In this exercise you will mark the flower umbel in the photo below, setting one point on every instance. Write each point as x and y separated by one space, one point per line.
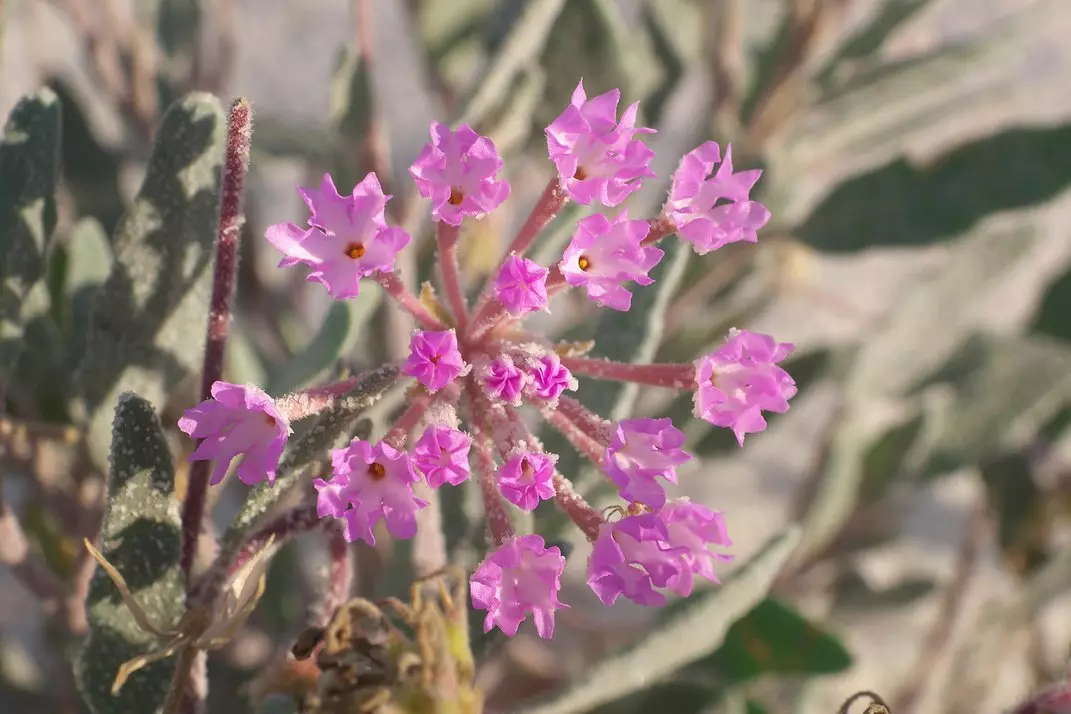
238 421
481 372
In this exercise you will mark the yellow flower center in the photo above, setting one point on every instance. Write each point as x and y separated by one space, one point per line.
580 174
377 471
456 197
584 263
354 250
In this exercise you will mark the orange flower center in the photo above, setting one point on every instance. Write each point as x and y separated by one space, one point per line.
580 174
584 263
456 197
270 420
355 250
377 471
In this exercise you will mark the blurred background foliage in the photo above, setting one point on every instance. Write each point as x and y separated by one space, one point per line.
917 156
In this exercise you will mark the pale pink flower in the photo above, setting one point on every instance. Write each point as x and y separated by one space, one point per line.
521 576
521 285
458 171
526 478
603 255
434 358
442 455
641 451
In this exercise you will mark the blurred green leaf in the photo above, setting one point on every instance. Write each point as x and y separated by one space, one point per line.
1014 386
776 639
905 205
1024 521
89 262
888 459
147 330
1053 317
140 536
695 628
29 170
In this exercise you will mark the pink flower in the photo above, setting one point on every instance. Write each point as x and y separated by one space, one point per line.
631 557
370 484
549 378
694 527
644 552
503 379
434 358
442 455
710 212
605 254
641 451
527 478
521 285
598 159
238 421
457 172
521 576
348 239
741 379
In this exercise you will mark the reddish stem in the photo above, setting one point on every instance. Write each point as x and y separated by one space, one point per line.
446 236
589 423
671 375
408 301
660 228
339 574
575 436
231 217
546 208
579 511
285 526
499 527
399 432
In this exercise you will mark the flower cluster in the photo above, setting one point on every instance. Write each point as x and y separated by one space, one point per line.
476 370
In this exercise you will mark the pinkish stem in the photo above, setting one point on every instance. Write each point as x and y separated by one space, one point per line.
408 301
575 436
590 424
299 405
499 527
671 375
490 316
446 235
660 228
546 208
399 432
579 511
231 217
339 574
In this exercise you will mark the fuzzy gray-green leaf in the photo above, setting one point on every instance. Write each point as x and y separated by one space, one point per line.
140 536
696 629
311 445
29 169
148 321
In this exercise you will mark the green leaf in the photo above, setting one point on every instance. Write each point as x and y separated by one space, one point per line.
140 536
311 445
1052 316
89 262
1001 402
776 639
695 628
147 331
29 169
337 337
902 204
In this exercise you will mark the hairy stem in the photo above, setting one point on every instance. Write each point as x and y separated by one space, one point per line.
590 424
499 527
231 217
671 375
408 301
576 437
446 236
573 504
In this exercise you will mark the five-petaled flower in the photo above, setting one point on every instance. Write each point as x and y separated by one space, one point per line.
348 238
740 380
457 171
521 576
605 254
370 484
482 371
239 420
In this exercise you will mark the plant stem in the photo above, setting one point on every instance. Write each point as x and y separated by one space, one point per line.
573 504
446 235
231 217
408 301
671 375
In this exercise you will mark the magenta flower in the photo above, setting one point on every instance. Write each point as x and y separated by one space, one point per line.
549 378
598 159
503 379
527 478
457 172
641 451
434 358
603 255
712 211
694 527
521 576
741 379
238 421
348 238
370 484
442 455
521 285
631 557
